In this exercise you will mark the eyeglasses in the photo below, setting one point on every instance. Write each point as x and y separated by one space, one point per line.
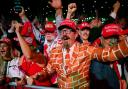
66 30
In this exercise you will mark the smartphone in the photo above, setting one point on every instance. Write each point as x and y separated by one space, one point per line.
18 9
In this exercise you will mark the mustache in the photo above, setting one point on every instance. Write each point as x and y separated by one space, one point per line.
65 38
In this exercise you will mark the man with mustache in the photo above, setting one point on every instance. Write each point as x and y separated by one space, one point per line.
71 63
66 45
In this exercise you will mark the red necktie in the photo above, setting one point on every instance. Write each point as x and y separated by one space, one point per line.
115 67
67 56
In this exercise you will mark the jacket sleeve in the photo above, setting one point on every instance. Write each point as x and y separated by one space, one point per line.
114 53
49 69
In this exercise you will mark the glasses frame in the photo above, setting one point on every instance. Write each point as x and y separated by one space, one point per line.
66 30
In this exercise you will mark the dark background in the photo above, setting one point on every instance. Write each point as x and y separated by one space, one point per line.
42 9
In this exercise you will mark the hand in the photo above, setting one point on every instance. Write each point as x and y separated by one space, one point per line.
22 13
21 82
29 80
123 84
72 8
57 4
95 23
36 75
116 5
13 23
18 27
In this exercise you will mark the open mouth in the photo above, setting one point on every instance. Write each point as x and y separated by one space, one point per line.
2 52
65 38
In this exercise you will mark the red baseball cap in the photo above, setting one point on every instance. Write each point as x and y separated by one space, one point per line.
124 32
50 27
83 25
5 40
67 23
111 30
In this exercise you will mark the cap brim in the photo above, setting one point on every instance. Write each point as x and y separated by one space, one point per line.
86 28
124 32
65 26
51 31
4 42
111 35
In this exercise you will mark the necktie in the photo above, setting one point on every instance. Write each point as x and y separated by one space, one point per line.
115 67
67 56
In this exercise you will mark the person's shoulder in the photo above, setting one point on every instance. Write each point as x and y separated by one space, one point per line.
87 47
56 49
1 60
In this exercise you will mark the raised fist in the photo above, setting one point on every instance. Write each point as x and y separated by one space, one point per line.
116 5
72 8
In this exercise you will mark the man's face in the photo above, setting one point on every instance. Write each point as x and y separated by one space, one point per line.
68 37
50 36
4 50
84 34
111 41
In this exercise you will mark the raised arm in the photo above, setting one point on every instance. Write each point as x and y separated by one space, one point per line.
57 5
115 10
112 16
71 10
3 31
24 46
114 53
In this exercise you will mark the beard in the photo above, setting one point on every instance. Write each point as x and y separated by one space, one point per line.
66 45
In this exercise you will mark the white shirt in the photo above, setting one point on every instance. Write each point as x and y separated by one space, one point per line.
13 69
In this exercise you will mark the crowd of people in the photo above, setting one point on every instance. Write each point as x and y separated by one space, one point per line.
65 54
